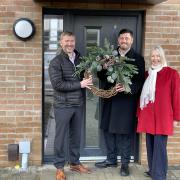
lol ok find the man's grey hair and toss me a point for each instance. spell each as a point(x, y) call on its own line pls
point(66, 33)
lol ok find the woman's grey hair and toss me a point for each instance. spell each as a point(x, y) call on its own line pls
point(160, 50)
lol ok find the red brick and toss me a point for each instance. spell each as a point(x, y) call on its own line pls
point(24, 2)
point(3, 8)
point(7, 14)
point(16, 8)
point(163, 18)
point(23, 130)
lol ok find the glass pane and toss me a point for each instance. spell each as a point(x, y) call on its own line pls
point(92, 37)
point(92, 102)
point(53, 26)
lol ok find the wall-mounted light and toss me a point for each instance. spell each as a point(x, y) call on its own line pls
point(24, 28)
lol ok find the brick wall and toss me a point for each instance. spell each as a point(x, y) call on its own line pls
point(21, 66)
point(162, 26)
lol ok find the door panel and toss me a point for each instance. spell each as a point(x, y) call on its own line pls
point(109, 27)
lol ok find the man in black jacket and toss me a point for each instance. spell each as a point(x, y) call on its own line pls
point(68, 104)
point(119, 112)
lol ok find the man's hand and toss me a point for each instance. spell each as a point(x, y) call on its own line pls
point(105, 66)
point(86, 83)
point(175, 123)
point(120, 88)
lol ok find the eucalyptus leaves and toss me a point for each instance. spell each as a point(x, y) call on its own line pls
point(119, 69)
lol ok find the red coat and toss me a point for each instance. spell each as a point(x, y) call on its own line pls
point(157, 117)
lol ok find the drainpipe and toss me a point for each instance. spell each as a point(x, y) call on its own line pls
point(24, 149)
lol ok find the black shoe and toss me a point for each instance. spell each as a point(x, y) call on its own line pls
point(147, 174)
point(105, 164)
point(124, 171)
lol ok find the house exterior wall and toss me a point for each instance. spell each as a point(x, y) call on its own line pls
point(162, 26)
point(21, 70)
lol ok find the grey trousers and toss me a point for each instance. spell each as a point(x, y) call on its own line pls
point(70, 117)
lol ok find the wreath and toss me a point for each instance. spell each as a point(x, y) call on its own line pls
point(119, 69)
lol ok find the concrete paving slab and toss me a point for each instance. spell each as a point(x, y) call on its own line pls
point(47, 172)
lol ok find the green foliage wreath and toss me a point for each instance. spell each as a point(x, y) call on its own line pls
point(119, 69)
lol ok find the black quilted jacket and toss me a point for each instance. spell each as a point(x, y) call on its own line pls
point(67, 89)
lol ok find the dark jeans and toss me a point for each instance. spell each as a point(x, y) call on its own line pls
point(65, 118)
point(157, 156)
point(115, 143)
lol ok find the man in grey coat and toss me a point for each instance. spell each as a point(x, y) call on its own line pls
point(119, 112)
point(68, 104)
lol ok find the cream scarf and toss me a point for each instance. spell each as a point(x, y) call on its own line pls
point(149, 88)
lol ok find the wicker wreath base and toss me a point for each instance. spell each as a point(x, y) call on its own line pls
point(101, 92)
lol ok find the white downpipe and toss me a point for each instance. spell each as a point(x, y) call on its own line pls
point(24, 163)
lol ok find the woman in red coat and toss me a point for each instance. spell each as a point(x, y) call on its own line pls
point(159, 108)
